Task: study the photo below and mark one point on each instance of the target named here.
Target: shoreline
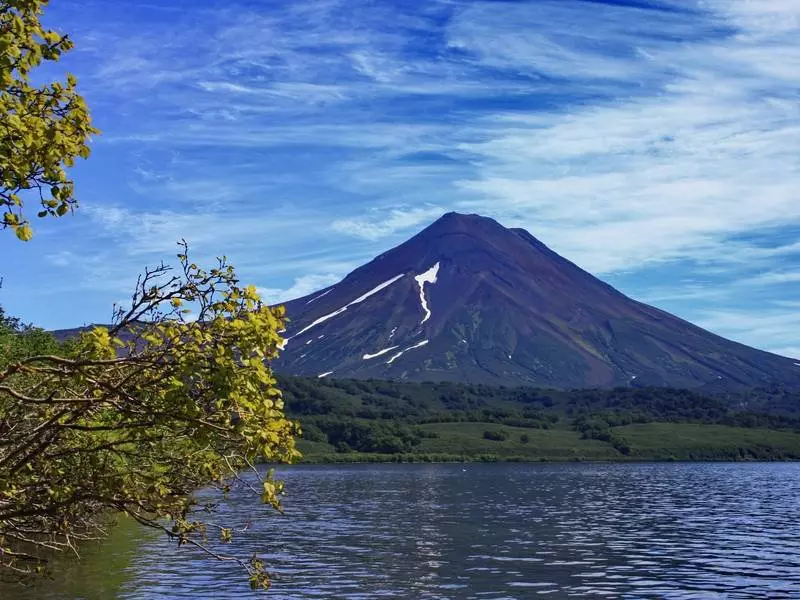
(456, 459)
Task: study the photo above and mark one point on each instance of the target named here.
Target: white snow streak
(283, 342)
(320, 296)
(376, 289)
(321, 375)
(339, 311)
(308, 342)
(399, 354)
(391, 335)
(320, 320)
(428, 276)
(384, 351)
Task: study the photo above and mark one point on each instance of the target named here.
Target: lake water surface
(487, 531)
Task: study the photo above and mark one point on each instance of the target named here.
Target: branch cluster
(43, 129)
(175, 395)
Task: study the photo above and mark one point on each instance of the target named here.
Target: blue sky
(656, 144)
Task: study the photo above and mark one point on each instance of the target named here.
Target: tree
(43, 129)
(135, 417)
(496, 435)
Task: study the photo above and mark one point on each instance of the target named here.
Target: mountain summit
(469, 300)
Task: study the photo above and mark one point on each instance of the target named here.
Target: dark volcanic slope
(504, 309)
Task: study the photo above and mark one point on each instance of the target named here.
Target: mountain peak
(469, 242)
(466, 219)
(454, 222)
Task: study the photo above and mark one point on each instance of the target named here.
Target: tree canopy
(176, 395)
(43, 129)
(133, 418)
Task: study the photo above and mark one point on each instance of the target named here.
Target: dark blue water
(496, 531)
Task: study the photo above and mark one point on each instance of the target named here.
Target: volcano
(469, 300)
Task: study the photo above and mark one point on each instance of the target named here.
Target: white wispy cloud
(569, 40)
(773, 329)
(685, 293)
(681, 165)
(302, 286)
(118, 243)
(386, 223)
(775, 277)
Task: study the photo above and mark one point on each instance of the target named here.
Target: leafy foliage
(496, 435)
(136, 417)
(368, 436)
(43, 130)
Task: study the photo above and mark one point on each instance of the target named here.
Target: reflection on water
(100, 575)
(501, 531)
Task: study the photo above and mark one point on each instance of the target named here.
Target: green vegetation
(497, 435)
(354, 421)
(135, 418)
(697, 441)
(44, 129)
(469, 439)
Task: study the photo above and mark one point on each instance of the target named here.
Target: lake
(667, 530)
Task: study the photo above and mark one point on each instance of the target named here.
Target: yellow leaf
(24, 232)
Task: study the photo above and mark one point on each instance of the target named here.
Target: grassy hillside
(697, 441)
(353, 420)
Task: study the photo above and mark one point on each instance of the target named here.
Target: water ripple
(673, 531)
(516, 531)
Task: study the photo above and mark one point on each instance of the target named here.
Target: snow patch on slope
(339, 311)
(321, 375)
(384, 351)
(399, 354)
(391, 335)
(428, 276)
(320, 296)
(320, 320)
(376, 289)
